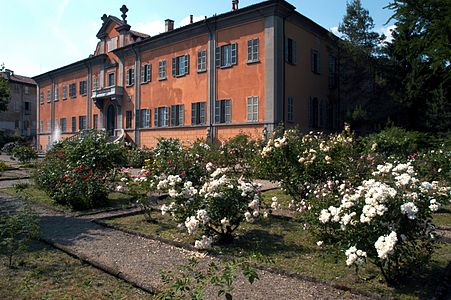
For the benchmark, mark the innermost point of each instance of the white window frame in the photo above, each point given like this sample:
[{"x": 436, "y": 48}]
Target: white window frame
[
  {"x": 64, "y": 92},
  {"x": 161, "y": 117},
  {"x": 177, "y": 115},
  {"x": 162, "y": 74},
  {"x": 198, "y": 113},
  {"x": 180, "y": 65},
  {"x": 108, "y": 79},
  {"x": 74, "y": 94},
  {"x": 146, "y": 73},
  {"x": 253, "y": 50},
  {"x": 202, "y": 61},
  {"x": 55, "y": 94},
  {"x": 226, "y": 55},
  {"x": 252, "y": 108},
  {"x": 130, "y": 76},
  {"x": 223, "y": 111}
]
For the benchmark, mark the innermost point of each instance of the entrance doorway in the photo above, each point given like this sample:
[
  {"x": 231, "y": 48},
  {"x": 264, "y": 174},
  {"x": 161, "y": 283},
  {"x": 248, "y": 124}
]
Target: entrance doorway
[{"x": 111, "y": 120}]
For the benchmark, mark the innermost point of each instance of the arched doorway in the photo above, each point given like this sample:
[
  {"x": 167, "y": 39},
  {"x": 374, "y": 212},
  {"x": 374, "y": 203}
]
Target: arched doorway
[{"x": 111, "y": 119}]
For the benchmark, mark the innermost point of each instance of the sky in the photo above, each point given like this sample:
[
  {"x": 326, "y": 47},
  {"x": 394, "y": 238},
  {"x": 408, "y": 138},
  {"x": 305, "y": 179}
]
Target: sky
[{"x": 42, "y": 35}]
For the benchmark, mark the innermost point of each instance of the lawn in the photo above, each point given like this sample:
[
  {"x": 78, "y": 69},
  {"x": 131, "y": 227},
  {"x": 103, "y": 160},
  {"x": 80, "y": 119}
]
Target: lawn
[
  {"x": 47, "y": 273},
  {"x": 292, "y": 249},
  {"x": 35, "y": 195}
]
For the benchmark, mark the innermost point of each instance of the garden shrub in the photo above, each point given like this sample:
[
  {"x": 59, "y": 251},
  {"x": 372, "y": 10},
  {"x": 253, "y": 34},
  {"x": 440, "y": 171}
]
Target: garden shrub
[
  {"x": 397, "y": 142},
  {"x": 24, "y": 153},
  {"x": 386, "y": 219},
  {"x": 17, "y": 231},
  {"x": 78, "y": 172}
]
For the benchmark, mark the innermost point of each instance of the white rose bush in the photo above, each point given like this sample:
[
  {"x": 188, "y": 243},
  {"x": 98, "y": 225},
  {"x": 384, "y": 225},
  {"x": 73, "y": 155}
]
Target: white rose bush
[
  {"x": 214, "y": 208},
  {"x": 370, "y": 209}
]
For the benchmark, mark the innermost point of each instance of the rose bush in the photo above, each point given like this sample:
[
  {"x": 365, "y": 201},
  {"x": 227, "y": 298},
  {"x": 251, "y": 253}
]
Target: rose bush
[{"x": 79, "y": 172}]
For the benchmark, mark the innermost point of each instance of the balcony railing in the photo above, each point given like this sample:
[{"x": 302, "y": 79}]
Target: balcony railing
[{"x": 112, "y": 92}]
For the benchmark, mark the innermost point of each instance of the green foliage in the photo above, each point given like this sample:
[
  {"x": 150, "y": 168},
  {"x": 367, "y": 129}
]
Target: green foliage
[
  {"x": 420, "y": 55},
  {"x": 192, "y": 279},
  {"x": 4, "y": 91},
  {"x": 17, "y": 231},
  {"x": 357, "y": 27},
  {"x": 24, "y": 153},
  {"x": 396, "y": 141},
  {"x": 3, "y": 166},
  {"x": 77, "y": 172}
]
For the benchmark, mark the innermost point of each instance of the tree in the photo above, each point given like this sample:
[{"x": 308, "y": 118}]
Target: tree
[
  {"x": 363, "y": 70},
  {"x": 421, "y": 56},
  {"x": 4, "y": 91},
  {"x": 357, "y": 28}
]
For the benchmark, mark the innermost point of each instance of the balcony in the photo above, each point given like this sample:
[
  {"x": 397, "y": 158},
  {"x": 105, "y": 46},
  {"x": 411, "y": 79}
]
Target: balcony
[{"x": 114, "y": 93}]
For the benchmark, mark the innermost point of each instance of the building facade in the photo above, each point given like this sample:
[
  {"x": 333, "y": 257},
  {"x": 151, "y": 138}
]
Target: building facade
[
  {"x": 20, "y": 117},
  {"x": 245, "y": 71}
]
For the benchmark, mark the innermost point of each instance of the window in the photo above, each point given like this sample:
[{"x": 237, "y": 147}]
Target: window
[
  {"x": 26, "y": 90},
  {"x": 111, "y": 79},
  {"x": 83, "y": 87},
  {"x": 161, "y": 117},
  {"x": 145, "y": 118},
  {"x": 112, "y": 44},
  {"x": 290, "y": 117},
  {"x": 27, "y": 107},
  {"x": 82, "y": 122},
  {"x": 128, "y": 119},
  {"x": 252, "y": 109},
  {"x": 253, "y": 51},
  {"x": 74, "y": 124},
  {"x": 130, "y": 77},
  {"x": 180, "y": 65},
  {"x": 332, "y": 72},
  {"x": 64, "y": 92},
  {"x": 48, "y": 95},
  {"x": 202, "y": 61},
  {"x": 314, "y": 59},
  {"x": 162, "y": 70},
  {"x": 146, "y": 73},
  {"x": 63, "y": 124},
  {"x": 226, "y": 55},
  {"x": 26, "y": 124},
  {"x": 41, "y": 126},
  {"x": 95, "y": 121},
  {"x": 16, "y": 124},
  {"x": 49, "y": 125},
  {"x": 198, "y": 113},
  {"x": 313, "y": 119},
  {"x": 95, "y": 84},
  {"x": 177, "y": 115},
  {"x": 72, "y": 90},
  {"x": 55, "y": 94},
  {"x": 290, "y": 51},
  {"x": 41, "y": 97},
  {"x": 223, "y": 111}
]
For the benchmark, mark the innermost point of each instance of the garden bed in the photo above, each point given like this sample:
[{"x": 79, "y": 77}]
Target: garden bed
[
  {"x": 292, "y": 250},
  {"x": 47, "y": 273},
  {"x": 115, "y": 200}
]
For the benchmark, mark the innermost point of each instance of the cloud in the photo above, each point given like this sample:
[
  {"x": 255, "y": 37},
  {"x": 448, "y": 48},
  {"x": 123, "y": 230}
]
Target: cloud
[
  {"x": 153, "y": 27},
  {"x": 387, "y": 31},
  {"x": 334, "y": 30},
  {"x": 185, "y": 21}
]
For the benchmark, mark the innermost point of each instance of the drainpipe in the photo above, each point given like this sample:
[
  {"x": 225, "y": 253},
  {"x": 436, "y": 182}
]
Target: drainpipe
[
  {"x": 137, "y": 94},
  {"x": 212, "y": 81}
]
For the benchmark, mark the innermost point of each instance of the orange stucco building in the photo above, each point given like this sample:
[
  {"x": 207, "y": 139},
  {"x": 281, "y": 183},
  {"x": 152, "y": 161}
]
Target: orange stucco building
[{"x": 244, "y": 71}]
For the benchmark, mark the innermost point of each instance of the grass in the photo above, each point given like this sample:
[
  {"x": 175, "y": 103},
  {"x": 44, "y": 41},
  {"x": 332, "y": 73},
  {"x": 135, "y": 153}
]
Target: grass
[
  {"x": 291, "y": 248},
  {"x": 36, "y": 195},
  {"x": 47, "y": 273}
]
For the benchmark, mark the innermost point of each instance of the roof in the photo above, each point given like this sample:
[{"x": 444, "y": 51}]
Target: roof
[
  {"x": 139, "y": 34},
  {"x": 19, "y": 78}
]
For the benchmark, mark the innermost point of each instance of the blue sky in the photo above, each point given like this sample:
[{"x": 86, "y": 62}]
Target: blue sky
[{"x": 39, "y": 36}]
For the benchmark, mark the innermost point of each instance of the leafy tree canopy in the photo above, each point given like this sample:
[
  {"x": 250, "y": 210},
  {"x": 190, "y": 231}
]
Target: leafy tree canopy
[{"x": 4, "y": 91}]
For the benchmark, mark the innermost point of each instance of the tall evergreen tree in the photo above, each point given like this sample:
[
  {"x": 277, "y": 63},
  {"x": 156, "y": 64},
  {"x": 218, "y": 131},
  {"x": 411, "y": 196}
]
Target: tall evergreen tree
[
  {"x": 357, "y": 28},
  {"x": 4, "y": 91},
  {"x": 421, "y": 55}
]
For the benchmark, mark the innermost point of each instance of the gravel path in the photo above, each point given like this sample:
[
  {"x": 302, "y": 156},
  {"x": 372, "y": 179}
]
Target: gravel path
[{"x": 140, "y": 260}]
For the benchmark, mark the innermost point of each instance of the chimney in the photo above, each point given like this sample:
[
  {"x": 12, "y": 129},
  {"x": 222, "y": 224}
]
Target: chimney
[
  {"x": 169, "y": 25},
  {"x": 9, "y": 73},
  {"x": 235, "y": 4},
  {"x": 191, "y": 19}
]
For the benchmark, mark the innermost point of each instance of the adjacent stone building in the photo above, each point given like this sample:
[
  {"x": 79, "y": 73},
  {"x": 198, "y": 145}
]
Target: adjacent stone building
[
  {"x": 20, "y": 117},
  {"x": 244, "y": 71}
]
